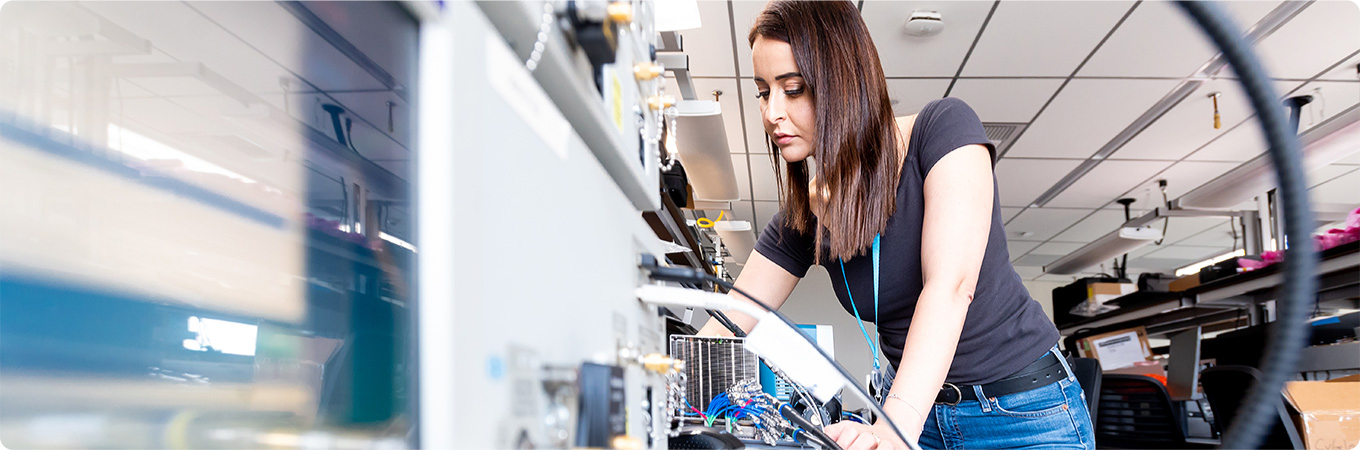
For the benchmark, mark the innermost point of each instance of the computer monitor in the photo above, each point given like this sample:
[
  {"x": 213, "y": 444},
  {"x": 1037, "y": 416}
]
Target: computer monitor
[{"x": 1182, "y": 373}]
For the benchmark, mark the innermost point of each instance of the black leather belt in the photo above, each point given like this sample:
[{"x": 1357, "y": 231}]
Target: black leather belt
[{"x": 1045, "y": 371}]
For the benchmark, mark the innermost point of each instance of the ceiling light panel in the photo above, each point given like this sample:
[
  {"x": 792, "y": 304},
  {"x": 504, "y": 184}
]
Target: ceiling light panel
[
  {"x": 1107, "y": 182},
  {"x": 1042, "y": 223},
  {"x": 710, "y": 47},
  {"x": 1005, "y": 100},
  {"x": 1312, "y": 41},
  {"x": 937, "y": 56},
  {"x": 1020, "y": 181},
  {"x": 1103, "y": 107},
  {"x": 1042, "y": 38}
]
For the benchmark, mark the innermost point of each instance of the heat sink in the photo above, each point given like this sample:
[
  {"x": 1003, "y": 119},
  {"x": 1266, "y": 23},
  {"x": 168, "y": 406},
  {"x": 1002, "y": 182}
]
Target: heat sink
[{"x": 712, "y": 365}]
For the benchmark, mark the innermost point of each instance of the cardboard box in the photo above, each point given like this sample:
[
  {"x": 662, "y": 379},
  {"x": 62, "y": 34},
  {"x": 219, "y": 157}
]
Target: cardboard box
[
  {"x": 1183, "y": 283},
  {"x": 1117, "y": 349},
  {"x": 1327, "y": 413},
  {"x": 1104, "y": 292}
]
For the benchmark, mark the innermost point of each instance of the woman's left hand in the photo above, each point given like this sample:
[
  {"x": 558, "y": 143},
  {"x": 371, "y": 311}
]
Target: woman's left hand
[{"x": 858, "y": 436}]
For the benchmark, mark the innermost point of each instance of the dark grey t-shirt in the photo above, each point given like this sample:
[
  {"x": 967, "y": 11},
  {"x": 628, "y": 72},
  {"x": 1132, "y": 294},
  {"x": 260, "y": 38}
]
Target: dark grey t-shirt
[{"x": 1005, "y": 329}]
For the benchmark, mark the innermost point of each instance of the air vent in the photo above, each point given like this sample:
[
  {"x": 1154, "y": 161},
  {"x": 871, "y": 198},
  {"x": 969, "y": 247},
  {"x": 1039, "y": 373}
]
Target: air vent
[{"x": 1003, "y": 135}]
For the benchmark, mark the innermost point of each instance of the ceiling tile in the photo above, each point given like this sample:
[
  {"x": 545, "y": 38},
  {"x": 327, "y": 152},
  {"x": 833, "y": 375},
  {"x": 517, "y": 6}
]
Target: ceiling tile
[
  {"x": 1190, "y": 124},
  {"x": 1346, "y": 71},
  {"x": 1036, "y": 260},
  {"x": 1158, "y": 40},
  {"x": 1179, "y": 229},
  {"x": 167, "y": 117},
  {"x": 744, "y": 14},
  {"x": 763, "y": 186},
  {"x": 710, "y": 46},
  {"x": 744, "y": 210},
  {"x": 1107, "y": 182},
  {"x": 1098, "y": 224},
  {"x": 1326, "y": 173},
  {"x": 1008, "y": 213},
  {"x": 1186, "y": 253},
  {"x": 1353, "y": 160},
  {"x": 1005, "y": 100},
  {"x": 1319, "y": 36},
  {"x": 1042, "y": 223},
  {"x": 1157, "y": 264},
  {"x": 912, "y": 95},
  {"x": 764, "y": 212},
  {"x": 936, "y": 56},
  {"x": 1019, "y": 248},
  {"x": 755, "y": 128},
  {"x": 1057, "y": 248},
  {"x": 730, "y": 101},
  {"x": 1029, "y": 272},
  {"x": 1329, "y": 99},
  {"x": 1241, "y": 143},
  {"x": 743, "y": 176},
  {"x": 1020, "y": 181},
  {"x": 1103, "y": 108},
  {"x": 1182, "y": 177},
  {"x": 1343, "y": 189},
  {"x": 1220, "y": 236},
  {"x": 1042, "y": 38}
]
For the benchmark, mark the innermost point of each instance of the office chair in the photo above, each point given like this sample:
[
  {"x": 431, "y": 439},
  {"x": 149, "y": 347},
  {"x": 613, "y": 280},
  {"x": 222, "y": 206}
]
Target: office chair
[
  {"x": 1087, "y": 371},
  {"x": 1226, "y": 386},
  {"x": 1136, "y": 413}
]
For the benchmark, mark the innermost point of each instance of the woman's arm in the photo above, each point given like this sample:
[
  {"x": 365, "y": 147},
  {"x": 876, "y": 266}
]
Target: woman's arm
[
  {"x": 762, "y": 278},
  {"x": 957, "y": 221}
]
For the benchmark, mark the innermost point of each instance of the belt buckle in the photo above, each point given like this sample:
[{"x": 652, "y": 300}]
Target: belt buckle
[{"x": 958, "y": 394}]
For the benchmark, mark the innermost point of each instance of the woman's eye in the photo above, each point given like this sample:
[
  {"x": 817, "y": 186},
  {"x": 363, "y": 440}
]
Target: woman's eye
[
  {"x": 793, "y": 92},
  {"x": 763, "y": 95}
]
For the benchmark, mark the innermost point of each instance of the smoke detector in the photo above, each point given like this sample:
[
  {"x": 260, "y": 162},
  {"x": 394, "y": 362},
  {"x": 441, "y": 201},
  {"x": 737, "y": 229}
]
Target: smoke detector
[{"x": 924, "y": 24}]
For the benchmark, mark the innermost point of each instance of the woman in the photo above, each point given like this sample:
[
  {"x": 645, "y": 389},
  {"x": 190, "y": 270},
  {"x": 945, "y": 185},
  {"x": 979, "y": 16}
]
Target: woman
[{"x": 903, "y": 214}]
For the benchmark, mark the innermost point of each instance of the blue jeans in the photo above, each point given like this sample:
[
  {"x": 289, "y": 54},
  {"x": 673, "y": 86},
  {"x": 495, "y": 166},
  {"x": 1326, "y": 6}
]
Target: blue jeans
[{"x": 1052, "y": 416}]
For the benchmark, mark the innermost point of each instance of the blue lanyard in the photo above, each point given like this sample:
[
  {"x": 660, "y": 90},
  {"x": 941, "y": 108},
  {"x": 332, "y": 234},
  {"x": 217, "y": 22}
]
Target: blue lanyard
[{"x": 873, "y": 346}]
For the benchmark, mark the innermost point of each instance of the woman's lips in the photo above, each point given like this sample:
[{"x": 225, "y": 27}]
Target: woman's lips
[{"x": 783, "y": 139}]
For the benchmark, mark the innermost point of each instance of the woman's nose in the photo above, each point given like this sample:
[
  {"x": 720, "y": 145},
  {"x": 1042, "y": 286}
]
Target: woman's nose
[{"x": 774, "y": 109}]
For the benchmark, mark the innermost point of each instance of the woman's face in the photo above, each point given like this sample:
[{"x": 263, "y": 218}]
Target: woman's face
[{"x": 785, "y": 103}]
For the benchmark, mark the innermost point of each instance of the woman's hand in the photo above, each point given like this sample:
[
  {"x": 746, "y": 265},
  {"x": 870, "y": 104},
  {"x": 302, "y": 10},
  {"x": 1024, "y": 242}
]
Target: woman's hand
[{"x": 857, "y": 436}]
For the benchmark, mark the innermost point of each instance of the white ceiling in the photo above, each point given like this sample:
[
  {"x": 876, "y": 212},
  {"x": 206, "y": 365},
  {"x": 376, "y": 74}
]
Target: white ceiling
[{"x": 1078, "y": 73}]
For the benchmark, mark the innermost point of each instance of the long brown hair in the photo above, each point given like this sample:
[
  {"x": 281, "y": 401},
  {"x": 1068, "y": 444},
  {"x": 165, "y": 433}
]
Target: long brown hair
[{"x": 856, "y": 146}]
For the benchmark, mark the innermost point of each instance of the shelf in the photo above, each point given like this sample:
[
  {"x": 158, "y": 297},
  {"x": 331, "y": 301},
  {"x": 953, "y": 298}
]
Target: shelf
[{"x": 1221, "y": 301}]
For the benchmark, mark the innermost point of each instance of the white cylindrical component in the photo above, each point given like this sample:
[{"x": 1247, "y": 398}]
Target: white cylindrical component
[
  {"x": 694, "y": 298},
  {"x": 739, "y": 238},
  {"x": 701, "y": 142}
]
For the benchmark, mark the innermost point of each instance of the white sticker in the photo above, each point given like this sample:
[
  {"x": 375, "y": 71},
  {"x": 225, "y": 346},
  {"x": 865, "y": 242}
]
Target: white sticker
[
  {"x": 786, "y": 348},
  {"x": 519, "y": 89}
]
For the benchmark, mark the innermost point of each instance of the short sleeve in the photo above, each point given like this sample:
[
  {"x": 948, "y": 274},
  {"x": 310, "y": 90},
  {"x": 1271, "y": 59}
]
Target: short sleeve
[
  {"x": 785, "y": 246},
  {"x": 943, "y": 126}
]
